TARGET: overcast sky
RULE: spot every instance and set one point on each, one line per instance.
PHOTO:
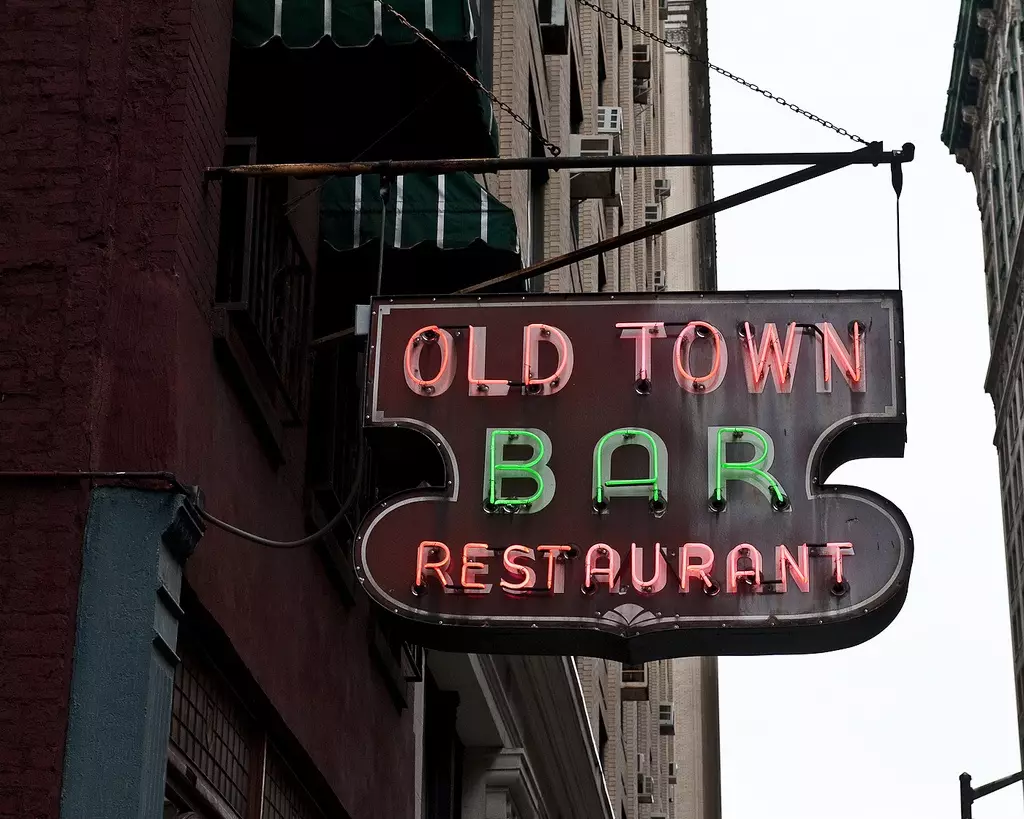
(883, 730)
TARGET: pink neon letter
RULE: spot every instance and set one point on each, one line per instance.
(836, 551)
(642, 332)
(656, 583)
(611, 572)
(833, 349)
(555, 585)
(435, 386)
(533, 334)
(681, 359)
(471, 568)
(782, 362)
(733, 573)
(701, 569)
(479, 384)
(426, 549)
(529, 576)
(784, 564)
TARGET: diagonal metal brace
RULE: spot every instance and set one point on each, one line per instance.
(686, 217)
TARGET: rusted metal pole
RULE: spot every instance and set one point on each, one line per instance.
(873, 154)
(684, 218)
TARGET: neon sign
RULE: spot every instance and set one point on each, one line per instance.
(647, 476)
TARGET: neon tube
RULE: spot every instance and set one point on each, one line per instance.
(660, 578)
(700, 570)
(786, 564)
(529, 578)
(552, 553)
(471, 568)
(437, 567)
(479, 385)
(600, 484)
(703, 383)
(611, 572)
(734, 573)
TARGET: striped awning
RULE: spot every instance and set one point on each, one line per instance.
(349, 23)
(449, 212)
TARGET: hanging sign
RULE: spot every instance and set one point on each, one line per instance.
(640, 477)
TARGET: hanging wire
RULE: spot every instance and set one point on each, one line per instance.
(764, 92)
(897, 186)
(357, 482)
(291, 204)
(547, 143)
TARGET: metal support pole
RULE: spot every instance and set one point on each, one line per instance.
(969, 795)
(873, 154)
(966, 796)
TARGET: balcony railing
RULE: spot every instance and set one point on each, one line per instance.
(264, 291)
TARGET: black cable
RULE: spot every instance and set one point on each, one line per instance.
(385, 195)
(305, 541)
(169, 478)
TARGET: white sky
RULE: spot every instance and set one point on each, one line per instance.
(883, 730)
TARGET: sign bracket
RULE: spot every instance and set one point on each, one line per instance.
(832, 163)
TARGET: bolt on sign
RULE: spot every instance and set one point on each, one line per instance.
(640, 477)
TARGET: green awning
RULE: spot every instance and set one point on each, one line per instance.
(304, 23)
(449, 212)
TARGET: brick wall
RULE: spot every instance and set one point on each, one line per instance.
(87, 91)
(108, 247)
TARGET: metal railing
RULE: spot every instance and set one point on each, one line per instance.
(265, 277)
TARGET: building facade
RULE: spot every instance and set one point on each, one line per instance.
(692, 256)
(983, 127)
(657, 724)
(194, 330)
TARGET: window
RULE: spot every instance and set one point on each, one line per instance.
(442, 754)
(264, 291)
(221, 762)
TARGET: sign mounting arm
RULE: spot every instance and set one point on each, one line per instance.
(684, 218)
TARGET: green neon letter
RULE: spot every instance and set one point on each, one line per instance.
(654, 487)
(754, 471)
(498, 469)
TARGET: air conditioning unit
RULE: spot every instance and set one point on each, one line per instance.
(594, 183)
(662, 188)
(642, 61)
(660, 284)
(634, 683)
(645, 790)
(666, 714)
(609, 119)
(652, 212)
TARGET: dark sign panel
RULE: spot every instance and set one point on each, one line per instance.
(641, 476)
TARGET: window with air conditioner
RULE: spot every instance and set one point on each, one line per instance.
(609, 119)
(598, 145)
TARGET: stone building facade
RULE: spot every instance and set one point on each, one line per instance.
(984, 129)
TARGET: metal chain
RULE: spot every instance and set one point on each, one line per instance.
(551, 146)
(727, 74)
